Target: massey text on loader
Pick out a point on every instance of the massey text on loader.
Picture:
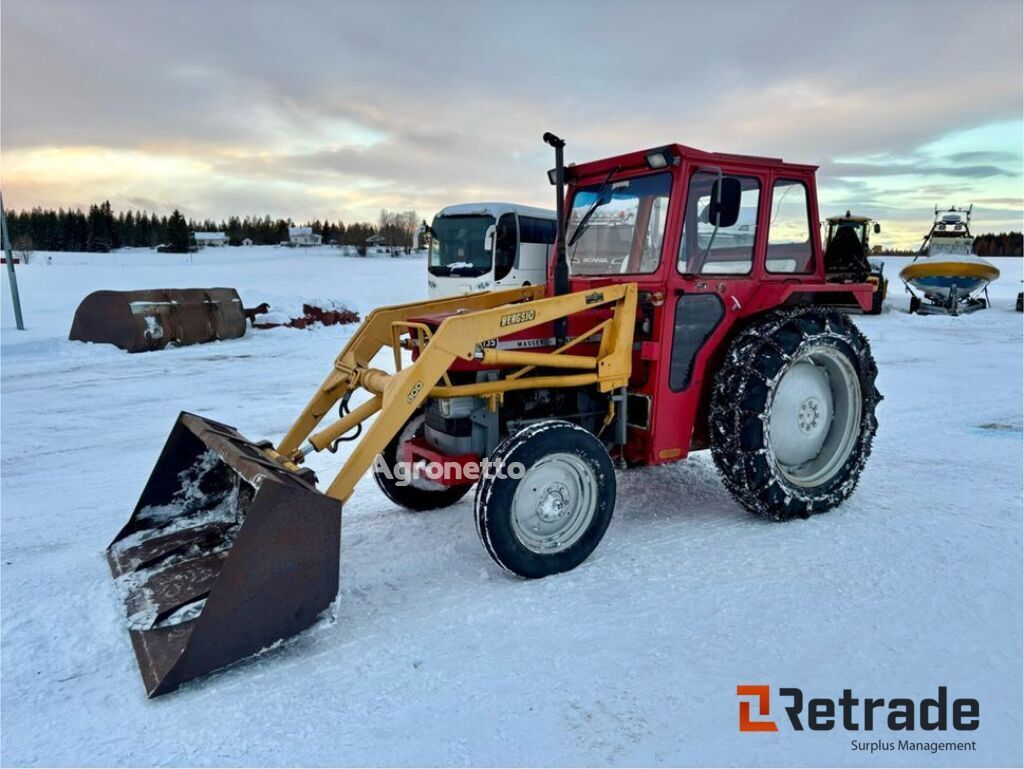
(689, 306)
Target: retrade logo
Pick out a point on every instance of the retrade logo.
(761, 695)
(853, 714)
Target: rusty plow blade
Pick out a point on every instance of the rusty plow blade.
(226, 553)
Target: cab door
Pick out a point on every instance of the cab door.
(715, 275)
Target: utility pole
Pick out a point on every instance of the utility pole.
(10, 268)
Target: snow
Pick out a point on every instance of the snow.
(436, 656)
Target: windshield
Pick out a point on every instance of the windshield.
(860, 229)
(624, 229)
(457, 246)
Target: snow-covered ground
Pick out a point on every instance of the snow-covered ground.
(438, 657)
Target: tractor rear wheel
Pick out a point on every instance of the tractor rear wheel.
(793, 413)
(546, 499)
(416, 494)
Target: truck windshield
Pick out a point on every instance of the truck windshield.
(457, 246)
(625, 227)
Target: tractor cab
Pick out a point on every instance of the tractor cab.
(712, 240)
(847, 250)
(846, 243)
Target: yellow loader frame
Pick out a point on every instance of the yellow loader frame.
(473, 320)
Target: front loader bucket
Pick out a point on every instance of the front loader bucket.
(225, 553)
(139, 321)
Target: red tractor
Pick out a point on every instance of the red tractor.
(740, 344)
(688, 307)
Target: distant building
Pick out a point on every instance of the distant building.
(303, 236)
(246, 241)
(210, 239)
(376, 240)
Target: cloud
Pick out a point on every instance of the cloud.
(846, 170)
(336, 109)
(983, 156)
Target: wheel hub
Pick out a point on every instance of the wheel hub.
(814, 416)
(810, 414)
(554, 503)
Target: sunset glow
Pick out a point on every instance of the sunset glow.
(340, 126)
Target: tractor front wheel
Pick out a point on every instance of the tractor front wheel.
(546, 499)
(414, 493)
(793, 413)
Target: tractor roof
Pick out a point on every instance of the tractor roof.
(639, 159)
(848, 218)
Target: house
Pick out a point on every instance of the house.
(246, 241)
(210, 239)
(303, 236)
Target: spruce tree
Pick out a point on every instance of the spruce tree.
(178, 233)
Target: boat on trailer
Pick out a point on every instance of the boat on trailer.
(948, 277)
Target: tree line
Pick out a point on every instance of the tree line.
(100, 229)
(990, 244)
(1003, 244)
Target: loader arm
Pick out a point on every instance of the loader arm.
(479, 318)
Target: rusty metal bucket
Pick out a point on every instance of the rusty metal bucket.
(225, 553)
(138, 321)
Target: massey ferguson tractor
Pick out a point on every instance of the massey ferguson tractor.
(687, 308)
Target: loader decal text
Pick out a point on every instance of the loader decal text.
(414, 392)
(518, 317)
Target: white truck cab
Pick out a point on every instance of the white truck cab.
(486, 246)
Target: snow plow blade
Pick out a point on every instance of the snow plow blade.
(226, 553)
(139, 321)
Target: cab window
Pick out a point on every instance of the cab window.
(789, 229)
(618, 227)
(708, 250)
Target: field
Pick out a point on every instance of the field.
(435, 656)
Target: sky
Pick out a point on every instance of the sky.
(335, 110)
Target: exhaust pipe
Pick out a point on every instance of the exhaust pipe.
(561, 275)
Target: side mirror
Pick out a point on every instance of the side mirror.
(489, 238)
(724, 208)
(877, 228)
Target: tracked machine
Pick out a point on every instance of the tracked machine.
(686, 309)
